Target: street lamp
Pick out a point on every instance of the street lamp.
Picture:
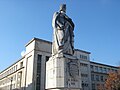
(83, 85)
(11, 79)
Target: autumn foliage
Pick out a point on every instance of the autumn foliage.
(113, 81)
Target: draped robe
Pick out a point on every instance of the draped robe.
(63, 36)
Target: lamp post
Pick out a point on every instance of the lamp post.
(11, 79)
(83, 85)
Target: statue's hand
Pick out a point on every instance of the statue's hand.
(62, 27)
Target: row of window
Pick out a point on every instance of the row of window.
(101, 69)
(8, 80)
(83, 57)
(11, 70)
(98, 86)
(84, 75)
(98, 78)
(85, 85)
(11, 81)
(83, 64)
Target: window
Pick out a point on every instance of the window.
(97, 77)
(38, 78)
(105, 71)
(84, 75)
(21, 64)
(80, 56)
(19, 79)
(14, 77)
(112, 70)
(12, 70)
(93, 86)
(16, 67)
(92, 77)
(101, 78)
(92, 68)
(96, 68)
(116, 71)
(101, 69)
(108, 70)
(83, 64)
(39, 58)
(83, 57)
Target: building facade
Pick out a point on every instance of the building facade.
(99, 73)
(28, 73)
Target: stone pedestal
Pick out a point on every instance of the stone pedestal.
(63, 73)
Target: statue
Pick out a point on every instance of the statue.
(63, 36)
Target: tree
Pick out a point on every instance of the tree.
(113, 81)
(100, 87)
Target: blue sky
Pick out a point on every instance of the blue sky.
(97, 27)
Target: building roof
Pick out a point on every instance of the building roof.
(37, 40)
(82, 51)
(103, 64)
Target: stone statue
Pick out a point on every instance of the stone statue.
(63, 36)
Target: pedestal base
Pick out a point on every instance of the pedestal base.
(63, 73)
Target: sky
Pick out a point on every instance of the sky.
(97, 27)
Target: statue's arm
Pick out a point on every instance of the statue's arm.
(57, 20)
(61, 25)
(70, 21)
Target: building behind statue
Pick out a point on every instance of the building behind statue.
(28, 73)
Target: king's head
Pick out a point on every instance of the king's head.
(63, 8)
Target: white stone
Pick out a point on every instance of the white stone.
(60, 75)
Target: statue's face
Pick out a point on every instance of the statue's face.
(63, 8)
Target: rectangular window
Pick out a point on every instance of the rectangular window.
(38, 79)
(93, 86)
(84, 75)
(19, 79)
(21, 64)
(108, 70)
(101, 69)
(105, 71)
(116, 71)
(101, 78)
(80, 56)
(97, 77)
(14, 77)
(16, 67)
(83, 57)
(112, 70)
(96, 68)
(92, 77)
(92, 68)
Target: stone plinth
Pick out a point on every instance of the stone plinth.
(63, 73)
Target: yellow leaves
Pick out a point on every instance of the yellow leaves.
(113, 81)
